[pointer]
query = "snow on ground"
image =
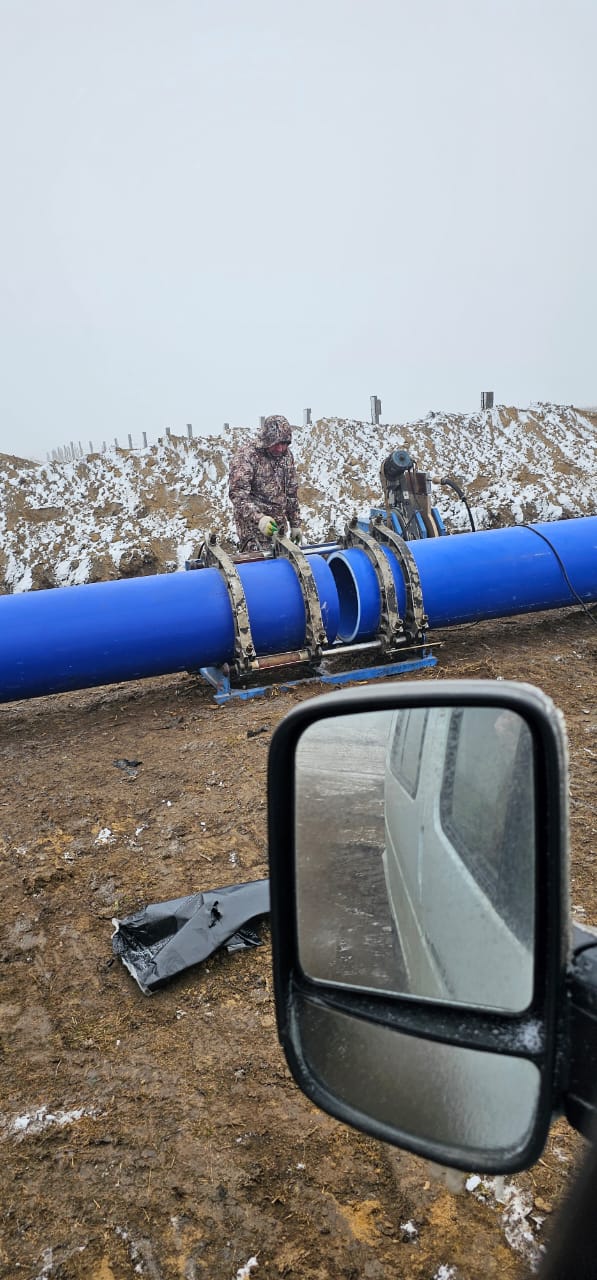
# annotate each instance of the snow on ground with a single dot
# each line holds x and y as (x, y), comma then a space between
(128, 512)
(39, 1119)
(518, 1220)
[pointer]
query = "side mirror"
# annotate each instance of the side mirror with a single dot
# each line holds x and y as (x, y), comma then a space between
(420, 916)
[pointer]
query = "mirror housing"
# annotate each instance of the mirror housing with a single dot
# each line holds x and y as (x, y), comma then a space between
(464, 1085)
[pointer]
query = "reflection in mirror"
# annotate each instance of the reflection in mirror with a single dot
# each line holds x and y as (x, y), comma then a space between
(480, 1104)
(415, 854)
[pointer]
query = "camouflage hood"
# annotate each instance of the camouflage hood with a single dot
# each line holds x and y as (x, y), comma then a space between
(275, 430)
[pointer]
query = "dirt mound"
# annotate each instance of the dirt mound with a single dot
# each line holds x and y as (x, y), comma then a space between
(132, 512)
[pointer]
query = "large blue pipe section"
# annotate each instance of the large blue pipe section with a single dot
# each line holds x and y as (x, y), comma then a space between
(493, 574)
(78, 637)
(104, 632)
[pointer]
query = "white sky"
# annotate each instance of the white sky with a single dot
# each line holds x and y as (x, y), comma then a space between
(213, 209)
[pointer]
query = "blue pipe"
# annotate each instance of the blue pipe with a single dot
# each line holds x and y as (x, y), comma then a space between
(358, 593)
(104, 632)
(78, 637)
(501, 572)
(491, 574)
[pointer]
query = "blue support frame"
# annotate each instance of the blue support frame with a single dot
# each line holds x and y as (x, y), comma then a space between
(443, 532)
(220, 681)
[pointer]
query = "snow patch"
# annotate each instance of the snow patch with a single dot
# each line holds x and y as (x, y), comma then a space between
(244, 1273)
(34, 1122)
(103, 836)
(517, 1206)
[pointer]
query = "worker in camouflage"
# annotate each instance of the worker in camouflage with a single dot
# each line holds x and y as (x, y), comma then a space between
(263, 487)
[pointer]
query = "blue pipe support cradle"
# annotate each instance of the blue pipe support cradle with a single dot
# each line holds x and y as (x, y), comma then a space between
(224, 691)
(79, 637)
(473, 576)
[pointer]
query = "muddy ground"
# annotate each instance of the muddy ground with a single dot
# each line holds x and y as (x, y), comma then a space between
(163, 1136)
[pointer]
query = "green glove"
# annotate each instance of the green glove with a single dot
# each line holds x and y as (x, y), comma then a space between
(296, 535)
(267, 526)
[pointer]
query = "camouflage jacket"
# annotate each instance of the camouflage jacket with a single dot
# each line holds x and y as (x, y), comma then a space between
(261, 484)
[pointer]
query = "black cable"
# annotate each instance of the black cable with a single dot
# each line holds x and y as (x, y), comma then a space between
(406, 526)
(452, 484)
(562, 567)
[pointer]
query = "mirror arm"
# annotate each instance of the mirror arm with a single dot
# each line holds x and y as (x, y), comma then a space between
(519, 1035)
(580, 1095)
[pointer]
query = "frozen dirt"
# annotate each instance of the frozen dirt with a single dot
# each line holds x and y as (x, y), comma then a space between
(162, 1136)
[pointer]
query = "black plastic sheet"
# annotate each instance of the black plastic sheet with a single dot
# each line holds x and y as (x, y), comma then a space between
(166, 938)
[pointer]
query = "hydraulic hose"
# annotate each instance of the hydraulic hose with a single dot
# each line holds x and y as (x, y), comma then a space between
(456, 487)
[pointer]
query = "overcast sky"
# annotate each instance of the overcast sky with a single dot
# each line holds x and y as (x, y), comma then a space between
(216, 209)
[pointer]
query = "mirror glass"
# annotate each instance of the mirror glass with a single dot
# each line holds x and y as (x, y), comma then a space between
(415, 854)
(481, 1105)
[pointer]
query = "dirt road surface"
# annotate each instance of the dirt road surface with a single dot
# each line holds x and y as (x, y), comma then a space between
(162, 1136)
